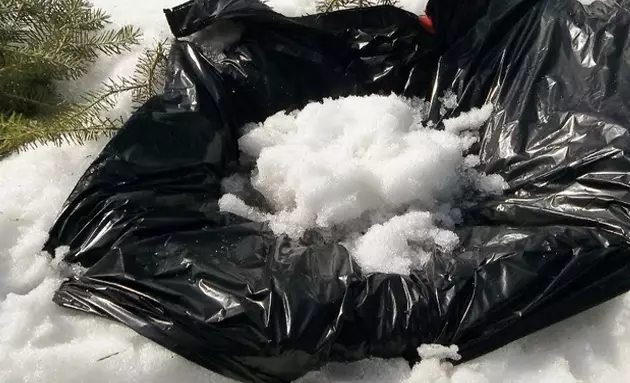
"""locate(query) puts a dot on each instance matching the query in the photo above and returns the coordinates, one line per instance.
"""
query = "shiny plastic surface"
(227, 294)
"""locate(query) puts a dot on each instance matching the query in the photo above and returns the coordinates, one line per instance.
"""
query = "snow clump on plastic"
(371, 172)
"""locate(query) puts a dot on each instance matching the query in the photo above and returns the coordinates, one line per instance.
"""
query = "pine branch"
(18, 132)
(44, 41)
(87, 120)
(150, 72)
(110, 42)
(40, 97)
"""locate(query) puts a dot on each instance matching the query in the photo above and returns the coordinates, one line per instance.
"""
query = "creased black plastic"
(227, 294)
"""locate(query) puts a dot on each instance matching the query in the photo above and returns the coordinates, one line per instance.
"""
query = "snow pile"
(369, 164)
(433, 368)
(396, 245)
(28, 207)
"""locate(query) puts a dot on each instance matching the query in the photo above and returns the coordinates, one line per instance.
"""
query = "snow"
(413, 6)
(449, 101)
(39, 341)
(293, 8)
(436, 351)
(388, 248)
(308, 7)
(365, 164)
(433, 368)
(43, 343)
(472, 119)
(233, 204)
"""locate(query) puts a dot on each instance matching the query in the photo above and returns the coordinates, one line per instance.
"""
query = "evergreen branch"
(27, 95)
(30, 63)
(86, 46)
(95, 20)
(64, 36)
(78, 123)
(105, 97)
(40, 98)
(44, 41)
(84, 16)
(113, 42)
(18, 133)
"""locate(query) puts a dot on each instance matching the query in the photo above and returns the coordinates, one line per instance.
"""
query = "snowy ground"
(40, 342)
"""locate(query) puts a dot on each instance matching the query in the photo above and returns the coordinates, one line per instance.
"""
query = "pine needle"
(46, 41)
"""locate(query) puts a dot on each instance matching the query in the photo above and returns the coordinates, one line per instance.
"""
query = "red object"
(427, 23)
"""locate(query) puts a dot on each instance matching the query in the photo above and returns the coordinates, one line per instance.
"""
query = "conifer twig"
(87, 120)
(45, 41)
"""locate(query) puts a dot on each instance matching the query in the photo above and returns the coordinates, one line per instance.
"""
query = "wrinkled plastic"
(227, 294)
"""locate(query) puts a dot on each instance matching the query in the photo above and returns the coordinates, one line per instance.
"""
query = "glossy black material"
(227, 294)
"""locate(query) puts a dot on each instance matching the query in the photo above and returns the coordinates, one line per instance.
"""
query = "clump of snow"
(448, 102)
(468, 121)
(293, 8)
(389, 247)
(428, 351)
(433, 368)
(357, 162)
(233, 204)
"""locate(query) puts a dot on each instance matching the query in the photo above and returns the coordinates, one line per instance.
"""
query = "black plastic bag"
(227, 294)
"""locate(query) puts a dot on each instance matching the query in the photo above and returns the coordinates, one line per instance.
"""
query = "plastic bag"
(229, 295)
